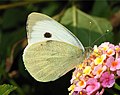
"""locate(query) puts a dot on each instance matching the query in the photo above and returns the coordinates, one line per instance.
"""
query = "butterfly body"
(52, 50)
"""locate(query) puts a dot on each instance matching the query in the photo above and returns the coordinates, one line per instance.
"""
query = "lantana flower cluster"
(97, 72)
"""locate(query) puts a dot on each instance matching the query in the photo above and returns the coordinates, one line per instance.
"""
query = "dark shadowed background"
(13, 17)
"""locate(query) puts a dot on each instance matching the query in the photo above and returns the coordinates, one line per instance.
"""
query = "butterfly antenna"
(89, 35)
(107, 31)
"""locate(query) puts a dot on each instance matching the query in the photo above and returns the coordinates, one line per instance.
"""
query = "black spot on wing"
(47, 35)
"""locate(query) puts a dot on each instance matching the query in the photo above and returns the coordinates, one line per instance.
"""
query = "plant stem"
(19, 90)
(12, 5)
(74, 19)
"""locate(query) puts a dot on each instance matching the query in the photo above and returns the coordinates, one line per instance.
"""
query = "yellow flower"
(99, 60)
(80, 66)
(117, 48)
(80, 93)
(74, 77)
(87, 70)
(70, 93)
(71, 87)
(95, 49)
(78, 74)
(105, 48)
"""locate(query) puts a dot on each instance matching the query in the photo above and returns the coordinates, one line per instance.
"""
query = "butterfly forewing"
(39, 24)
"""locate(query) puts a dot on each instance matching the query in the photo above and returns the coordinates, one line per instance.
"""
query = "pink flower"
(107, 80)
(97, 93)
(110, 52)
(92, 86)
(78, 89)
(98, 70)
(117, 48)
(104, 46)
(107, 48)
(111, 46)
(118, 72)
(81, 83)
(113, 64)
(101, 92)
(75, 93)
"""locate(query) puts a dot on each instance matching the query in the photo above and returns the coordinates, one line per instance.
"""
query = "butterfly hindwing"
(49, 60)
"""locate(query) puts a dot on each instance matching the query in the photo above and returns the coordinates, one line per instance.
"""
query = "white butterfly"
(52, 49)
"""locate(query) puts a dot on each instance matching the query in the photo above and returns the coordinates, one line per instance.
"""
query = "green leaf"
(101, 8)
(5, 89)
(0, 37)
(31, 8)
(110, 91)
(9, 41)
(50, 9)
(87, 28)
(13, 17)
(2, 70)
(116, 86)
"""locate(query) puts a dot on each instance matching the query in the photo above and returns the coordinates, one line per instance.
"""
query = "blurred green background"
(87, 19)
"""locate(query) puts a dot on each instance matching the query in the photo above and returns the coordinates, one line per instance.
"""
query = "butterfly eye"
(47, 35)
(83, 52)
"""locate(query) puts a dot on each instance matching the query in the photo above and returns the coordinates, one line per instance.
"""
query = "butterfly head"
(88, 51)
